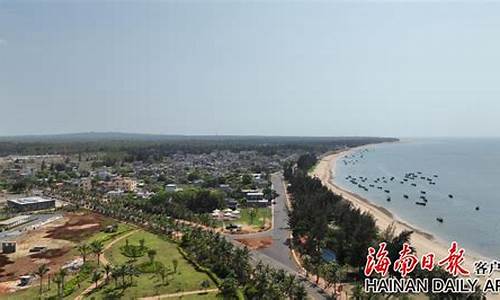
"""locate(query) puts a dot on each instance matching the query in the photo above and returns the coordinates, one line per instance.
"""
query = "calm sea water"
(468, 169)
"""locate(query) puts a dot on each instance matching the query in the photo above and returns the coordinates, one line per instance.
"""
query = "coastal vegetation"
(322, 221)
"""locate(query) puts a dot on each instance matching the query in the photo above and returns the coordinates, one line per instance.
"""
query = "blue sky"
(276, 68)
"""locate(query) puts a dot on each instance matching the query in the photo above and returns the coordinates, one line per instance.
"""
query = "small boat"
(387, 191)
(388, 199)
(477, 207)
(440, 220)
(450, 196)
(405, 196)
(414, 184)
(420, 203)
(422, 192)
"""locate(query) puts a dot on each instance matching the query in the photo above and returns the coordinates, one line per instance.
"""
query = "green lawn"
(261, 215)
(148, 284)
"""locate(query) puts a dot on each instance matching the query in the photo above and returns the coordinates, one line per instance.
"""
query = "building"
(8, 247)
(170, 187)
(13, 222)
(231, 203)
(256, 199)
(124, 184)
(31, 204)
(85, 184)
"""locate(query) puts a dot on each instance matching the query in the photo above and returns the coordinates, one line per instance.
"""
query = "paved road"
(278, 255)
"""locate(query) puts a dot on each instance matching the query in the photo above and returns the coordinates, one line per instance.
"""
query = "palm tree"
(205, 284)
(57, 280)
(41, 271)
(162, 272)
(107, 269)
(116, 274)
(132, 271)
(175, 264)
(151, 255)
(357, 291)
(299, 292)
(96, 276)
(229, 288)
(84, 250)
(62, 273)
(97, 248)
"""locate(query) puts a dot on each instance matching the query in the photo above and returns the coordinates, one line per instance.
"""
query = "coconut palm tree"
(62, 274)
(97, 248)
(96, 276)
(108, 269)
(84, 250)
(40, 272)
(175, 264)
(151, 255)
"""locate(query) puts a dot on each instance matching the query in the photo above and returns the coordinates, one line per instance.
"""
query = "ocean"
(457, 179)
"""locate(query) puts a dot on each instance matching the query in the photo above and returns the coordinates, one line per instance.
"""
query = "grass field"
(261, 215)
(148, 284)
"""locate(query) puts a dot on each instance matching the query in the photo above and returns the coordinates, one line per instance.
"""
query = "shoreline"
(422, 241)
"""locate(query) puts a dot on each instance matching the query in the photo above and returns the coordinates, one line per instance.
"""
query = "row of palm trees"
(232, 263)
(205, 247)
(95, 247)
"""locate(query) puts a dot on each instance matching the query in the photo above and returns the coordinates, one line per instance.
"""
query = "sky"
(354, 68)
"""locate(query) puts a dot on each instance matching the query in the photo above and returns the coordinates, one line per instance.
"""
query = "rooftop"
(30, 200)
(13, 220)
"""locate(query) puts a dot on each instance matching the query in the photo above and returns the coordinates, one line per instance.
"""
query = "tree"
(40, 272)
(357, 291)
(84, 250)
(151, 255)
(62, 274)
(162, 272)
(108, 269)
(116, 274)
(175, 264)
(252, 213)
(205, 284)
(132, 272)
(97, 248)
(96, 276)
(58, 281)
(229, 288)
(299, 292)
(142, 244)
(333, 273)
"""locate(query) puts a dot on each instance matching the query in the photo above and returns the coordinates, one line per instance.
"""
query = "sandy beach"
(422, 241)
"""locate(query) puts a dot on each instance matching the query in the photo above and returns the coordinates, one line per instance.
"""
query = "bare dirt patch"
(60, 237)
(78, 227)
(256, 243)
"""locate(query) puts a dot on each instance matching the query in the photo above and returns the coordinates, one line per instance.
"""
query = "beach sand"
(422, 242)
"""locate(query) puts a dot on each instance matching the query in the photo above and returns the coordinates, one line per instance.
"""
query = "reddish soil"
(59, 237)
(256, 243)
(78, 227)
(4, 261)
